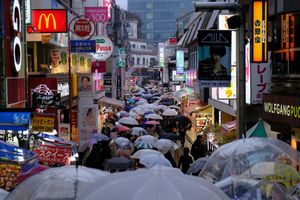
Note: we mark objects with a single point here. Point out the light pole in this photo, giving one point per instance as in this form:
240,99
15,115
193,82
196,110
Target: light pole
200,6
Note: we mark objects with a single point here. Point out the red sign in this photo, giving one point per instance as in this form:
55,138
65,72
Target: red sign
82,27
172,41
49,21
97,14
108,4
100,66
54,154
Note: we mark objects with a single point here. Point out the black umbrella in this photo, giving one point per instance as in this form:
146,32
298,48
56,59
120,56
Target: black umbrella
170,136
118,163
183,122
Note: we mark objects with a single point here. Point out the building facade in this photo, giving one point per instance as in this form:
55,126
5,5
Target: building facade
159,17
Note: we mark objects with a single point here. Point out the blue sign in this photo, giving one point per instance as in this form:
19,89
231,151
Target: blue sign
14,120
83,46
180,62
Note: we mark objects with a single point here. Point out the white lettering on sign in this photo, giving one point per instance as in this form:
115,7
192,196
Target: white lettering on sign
63,89
17,26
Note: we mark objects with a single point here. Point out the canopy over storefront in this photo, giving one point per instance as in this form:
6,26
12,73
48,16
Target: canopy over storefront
18,121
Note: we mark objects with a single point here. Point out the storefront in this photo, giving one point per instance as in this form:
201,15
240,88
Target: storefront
282,112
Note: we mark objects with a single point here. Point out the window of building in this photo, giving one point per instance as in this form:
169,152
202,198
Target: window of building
138,61
149,15
144,61
143,47
133,46
149,26
149,36
149,5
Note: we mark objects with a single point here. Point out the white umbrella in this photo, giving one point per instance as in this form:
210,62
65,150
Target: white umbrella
128,121
122,114
146,142
174,107
133,115
163,107
139,131
142,152
122,143
166,145
197,165
57,183
150,160
3,194
153,116
157,183
170,113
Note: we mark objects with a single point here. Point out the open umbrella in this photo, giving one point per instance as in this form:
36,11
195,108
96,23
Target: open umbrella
169,113
128,121
153,116
117,163
122,143
122,114
163,107
122,128
146,142
170,136
236,157
197,165
151,122
3,194
157,183
138,131
174,107
57,183
142,152
94,138
167,145
150,160
133,115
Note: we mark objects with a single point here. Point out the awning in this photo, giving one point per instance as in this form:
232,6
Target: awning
111,101
17,121
198,108
229,126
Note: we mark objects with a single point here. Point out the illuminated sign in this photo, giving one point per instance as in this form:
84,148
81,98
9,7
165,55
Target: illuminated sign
17,26
108,4
180,62
42,124
97,14
82,28
104,48
49,21
259,31
229,92
27,12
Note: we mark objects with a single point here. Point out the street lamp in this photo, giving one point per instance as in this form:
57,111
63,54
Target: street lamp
203,6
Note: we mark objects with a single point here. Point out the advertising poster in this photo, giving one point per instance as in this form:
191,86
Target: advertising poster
50,155
87,122
214,58
229,92
85,84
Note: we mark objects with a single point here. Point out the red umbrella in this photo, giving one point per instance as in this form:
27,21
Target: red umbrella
151,122
122,128
22,176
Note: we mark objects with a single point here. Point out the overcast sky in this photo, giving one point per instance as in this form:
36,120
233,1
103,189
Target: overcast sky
122,4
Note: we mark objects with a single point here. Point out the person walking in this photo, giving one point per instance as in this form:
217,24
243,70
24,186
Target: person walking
198,148
185,160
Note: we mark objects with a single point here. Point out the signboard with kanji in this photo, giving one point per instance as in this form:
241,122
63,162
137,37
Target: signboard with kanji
43,123
51,155
259,31
83,46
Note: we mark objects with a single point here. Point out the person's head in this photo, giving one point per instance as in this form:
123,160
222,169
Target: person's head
85,81
186,151
217,52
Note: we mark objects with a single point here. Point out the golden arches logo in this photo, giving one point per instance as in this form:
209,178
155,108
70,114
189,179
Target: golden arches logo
47,19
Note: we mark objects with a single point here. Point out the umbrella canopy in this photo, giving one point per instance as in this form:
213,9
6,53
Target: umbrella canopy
169,113
128,121
142,152
197,165
57,183
166,145
146,142
3,193
159,183
133,115
122,114
150,160
138,131
163,107
22,176
151,122
170,136
117,163
122,128
174,107
121,143
94,138
153,116
236,157
258,130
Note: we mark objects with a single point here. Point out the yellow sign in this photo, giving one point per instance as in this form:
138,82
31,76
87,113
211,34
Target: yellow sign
259,31
47,19
42,124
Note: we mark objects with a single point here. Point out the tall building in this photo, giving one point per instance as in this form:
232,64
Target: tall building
159,16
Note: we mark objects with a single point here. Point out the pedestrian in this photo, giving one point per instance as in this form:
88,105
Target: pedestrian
169,157
198,148
183,124
185,160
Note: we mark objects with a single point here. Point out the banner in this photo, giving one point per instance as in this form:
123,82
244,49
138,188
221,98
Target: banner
51,155
43,124
214,58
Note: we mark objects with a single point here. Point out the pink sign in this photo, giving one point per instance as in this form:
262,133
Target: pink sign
108,4
54,154
97,14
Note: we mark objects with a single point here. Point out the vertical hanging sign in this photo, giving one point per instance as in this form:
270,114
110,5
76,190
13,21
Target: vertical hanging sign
259,31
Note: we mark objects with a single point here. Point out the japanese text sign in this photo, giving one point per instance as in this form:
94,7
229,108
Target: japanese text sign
97,14
259,31
83,46
49,21
54,154
43,124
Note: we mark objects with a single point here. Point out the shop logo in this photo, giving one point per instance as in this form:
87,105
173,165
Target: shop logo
47,19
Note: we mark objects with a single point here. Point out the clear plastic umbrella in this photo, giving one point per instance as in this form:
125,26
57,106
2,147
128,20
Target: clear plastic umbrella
138,131
197,165
166,145
238,156
170,113
57,183
121,143
159,183
122,114
146,142
153,116
150,160
142,152
128,121
3,194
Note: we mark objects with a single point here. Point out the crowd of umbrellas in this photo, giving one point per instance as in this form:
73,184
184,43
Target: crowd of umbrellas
252,168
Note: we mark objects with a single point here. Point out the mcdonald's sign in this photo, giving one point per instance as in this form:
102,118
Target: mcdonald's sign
49,21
